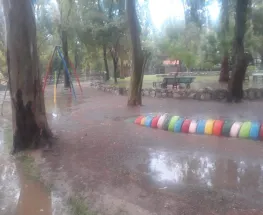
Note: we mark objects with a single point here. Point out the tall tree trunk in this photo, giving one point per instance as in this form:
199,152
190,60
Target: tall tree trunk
261,58
28,107
106,63
224,73
115,69
235,86
121,70
76,57
137,55
64,38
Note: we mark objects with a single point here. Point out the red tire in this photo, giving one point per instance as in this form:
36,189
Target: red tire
218,126
261,132
138,120
185,126
154,122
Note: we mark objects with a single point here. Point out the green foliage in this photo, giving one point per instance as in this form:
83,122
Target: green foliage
210,51
92,24
251,68
181,43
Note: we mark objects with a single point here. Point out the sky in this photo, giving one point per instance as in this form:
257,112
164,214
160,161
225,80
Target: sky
161,10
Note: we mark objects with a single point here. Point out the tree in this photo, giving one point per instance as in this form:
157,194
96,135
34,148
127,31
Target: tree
194,11
28,107
137,55
257,18
240,61
224,73
65,9
182,43
3,69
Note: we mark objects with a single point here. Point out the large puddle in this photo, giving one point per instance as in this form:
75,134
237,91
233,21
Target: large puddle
173,170
20,194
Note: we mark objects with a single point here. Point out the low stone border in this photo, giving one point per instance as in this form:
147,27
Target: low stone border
204,94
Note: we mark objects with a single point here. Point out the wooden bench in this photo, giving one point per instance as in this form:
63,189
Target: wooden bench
257,77
175,82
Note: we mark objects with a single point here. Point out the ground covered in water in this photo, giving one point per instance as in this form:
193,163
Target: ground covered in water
121,168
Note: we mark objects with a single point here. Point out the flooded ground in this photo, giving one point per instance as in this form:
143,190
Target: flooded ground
119,168
19,193
22,193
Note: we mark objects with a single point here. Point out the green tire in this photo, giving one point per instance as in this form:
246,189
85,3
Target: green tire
172,123
166,122
245,130
226,128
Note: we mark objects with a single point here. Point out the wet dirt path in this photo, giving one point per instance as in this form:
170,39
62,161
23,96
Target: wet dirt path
120,168
157,171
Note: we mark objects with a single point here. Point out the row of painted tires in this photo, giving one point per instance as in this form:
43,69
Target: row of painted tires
251,130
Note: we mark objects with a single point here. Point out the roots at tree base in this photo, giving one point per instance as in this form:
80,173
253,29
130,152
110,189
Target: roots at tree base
28,133
235,85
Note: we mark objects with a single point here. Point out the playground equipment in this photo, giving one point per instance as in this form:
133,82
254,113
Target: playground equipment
59,53
247,130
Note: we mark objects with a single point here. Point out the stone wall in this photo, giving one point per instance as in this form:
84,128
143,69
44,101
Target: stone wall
204,94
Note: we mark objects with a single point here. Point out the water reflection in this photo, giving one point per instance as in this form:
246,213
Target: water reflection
18,194
9,188
240,176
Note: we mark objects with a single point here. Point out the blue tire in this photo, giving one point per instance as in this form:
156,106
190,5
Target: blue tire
254,131
148,121
200,129
178,125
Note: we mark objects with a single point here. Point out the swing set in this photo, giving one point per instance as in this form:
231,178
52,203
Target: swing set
59,53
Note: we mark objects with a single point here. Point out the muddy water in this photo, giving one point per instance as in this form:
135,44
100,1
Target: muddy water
20,194
243,177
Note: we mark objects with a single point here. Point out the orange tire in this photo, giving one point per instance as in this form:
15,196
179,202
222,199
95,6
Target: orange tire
218,126
138,120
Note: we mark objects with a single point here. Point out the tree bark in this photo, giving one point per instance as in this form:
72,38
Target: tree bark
224,73
235,85
28,107
115,60
121,69
115,68
137,56
64,38
106,63
261,58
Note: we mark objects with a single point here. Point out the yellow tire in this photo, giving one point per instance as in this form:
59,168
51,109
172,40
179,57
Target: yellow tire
143,121
209,126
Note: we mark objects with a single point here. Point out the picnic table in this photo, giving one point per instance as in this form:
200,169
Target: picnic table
175,81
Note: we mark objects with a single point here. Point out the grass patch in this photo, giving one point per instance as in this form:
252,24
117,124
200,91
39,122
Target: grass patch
79,207
29,166
149,79
207,78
